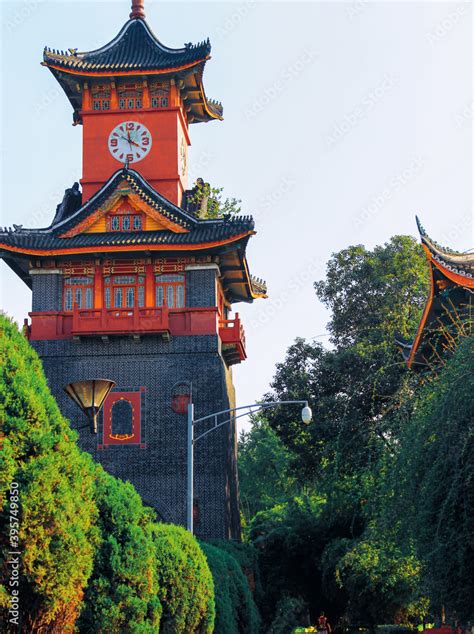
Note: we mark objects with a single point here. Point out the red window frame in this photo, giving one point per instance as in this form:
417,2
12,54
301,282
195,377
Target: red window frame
172,284
119,281
127,216
86,290
101,94
134,398
130,96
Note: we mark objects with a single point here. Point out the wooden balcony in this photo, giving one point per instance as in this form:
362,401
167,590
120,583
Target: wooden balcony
232,335
136,322
120,321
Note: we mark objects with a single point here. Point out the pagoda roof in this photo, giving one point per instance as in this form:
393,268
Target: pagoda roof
452,281
136,50
70,233
459,264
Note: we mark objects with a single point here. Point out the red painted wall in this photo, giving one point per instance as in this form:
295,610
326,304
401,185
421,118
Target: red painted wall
161,166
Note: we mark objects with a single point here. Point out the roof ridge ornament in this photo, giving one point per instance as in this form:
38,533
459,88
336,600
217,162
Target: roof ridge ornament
138,9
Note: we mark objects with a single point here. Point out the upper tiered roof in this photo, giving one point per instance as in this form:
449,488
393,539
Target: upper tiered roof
137,51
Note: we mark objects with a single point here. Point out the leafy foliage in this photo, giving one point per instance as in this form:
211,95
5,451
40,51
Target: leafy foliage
328,544
264,469
246,556
377,580
235,608
186,589
79,526
122,594
433,482
210,203
56,484
353,387
290,611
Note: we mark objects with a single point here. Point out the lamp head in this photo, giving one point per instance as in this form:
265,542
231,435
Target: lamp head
306,414
89,396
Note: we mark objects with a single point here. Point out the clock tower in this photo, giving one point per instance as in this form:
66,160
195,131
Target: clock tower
135,99
131,284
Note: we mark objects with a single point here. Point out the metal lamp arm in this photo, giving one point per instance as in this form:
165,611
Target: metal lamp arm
253,410
192,439
257,405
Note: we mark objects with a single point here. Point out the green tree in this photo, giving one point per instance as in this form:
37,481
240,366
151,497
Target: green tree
122,594
236,611
186,589
57,512
433,483
380,584
264,469
209,202
373,295
329,541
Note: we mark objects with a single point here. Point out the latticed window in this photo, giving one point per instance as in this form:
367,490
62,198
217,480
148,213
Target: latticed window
78,291
159,94
124,291
101,97
170,290
130,96
126,222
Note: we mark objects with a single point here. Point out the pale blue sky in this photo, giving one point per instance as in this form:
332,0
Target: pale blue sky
342,120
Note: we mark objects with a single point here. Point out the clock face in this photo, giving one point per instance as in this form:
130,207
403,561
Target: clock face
129,141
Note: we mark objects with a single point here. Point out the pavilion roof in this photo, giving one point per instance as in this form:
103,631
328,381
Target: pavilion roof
448,305
461,264
136,51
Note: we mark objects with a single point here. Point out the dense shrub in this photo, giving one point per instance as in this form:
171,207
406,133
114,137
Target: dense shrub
186,589
79,526
236,611
246,555
122,594
55,482
290,613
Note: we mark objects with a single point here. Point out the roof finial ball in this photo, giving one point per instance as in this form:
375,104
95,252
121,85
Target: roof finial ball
138,9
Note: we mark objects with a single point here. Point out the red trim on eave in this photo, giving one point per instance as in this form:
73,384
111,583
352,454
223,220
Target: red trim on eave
461,280
124,247
121,73
424,317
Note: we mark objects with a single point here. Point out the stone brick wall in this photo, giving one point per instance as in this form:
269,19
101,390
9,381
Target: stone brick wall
201,287
158,470
47,291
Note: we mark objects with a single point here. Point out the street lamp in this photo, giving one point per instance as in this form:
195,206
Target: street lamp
90,396
306,416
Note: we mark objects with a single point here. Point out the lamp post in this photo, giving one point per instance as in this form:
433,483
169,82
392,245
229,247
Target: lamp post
89,396
306,416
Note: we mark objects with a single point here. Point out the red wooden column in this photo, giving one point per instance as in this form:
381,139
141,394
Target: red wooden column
99,285
149,284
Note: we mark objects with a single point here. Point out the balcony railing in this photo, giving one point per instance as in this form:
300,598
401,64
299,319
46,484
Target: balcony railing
119,321
135,322
232,335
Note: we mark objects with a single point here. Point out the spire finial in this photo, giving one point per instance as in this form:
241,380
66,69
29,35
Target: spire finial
138,9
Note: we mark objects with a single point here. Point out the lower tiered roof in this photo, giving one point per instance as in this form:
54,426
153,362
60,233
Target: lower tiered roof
72,234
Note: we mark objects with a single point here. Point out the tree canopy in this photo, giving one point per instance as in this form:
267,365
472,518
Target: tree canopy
375,521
